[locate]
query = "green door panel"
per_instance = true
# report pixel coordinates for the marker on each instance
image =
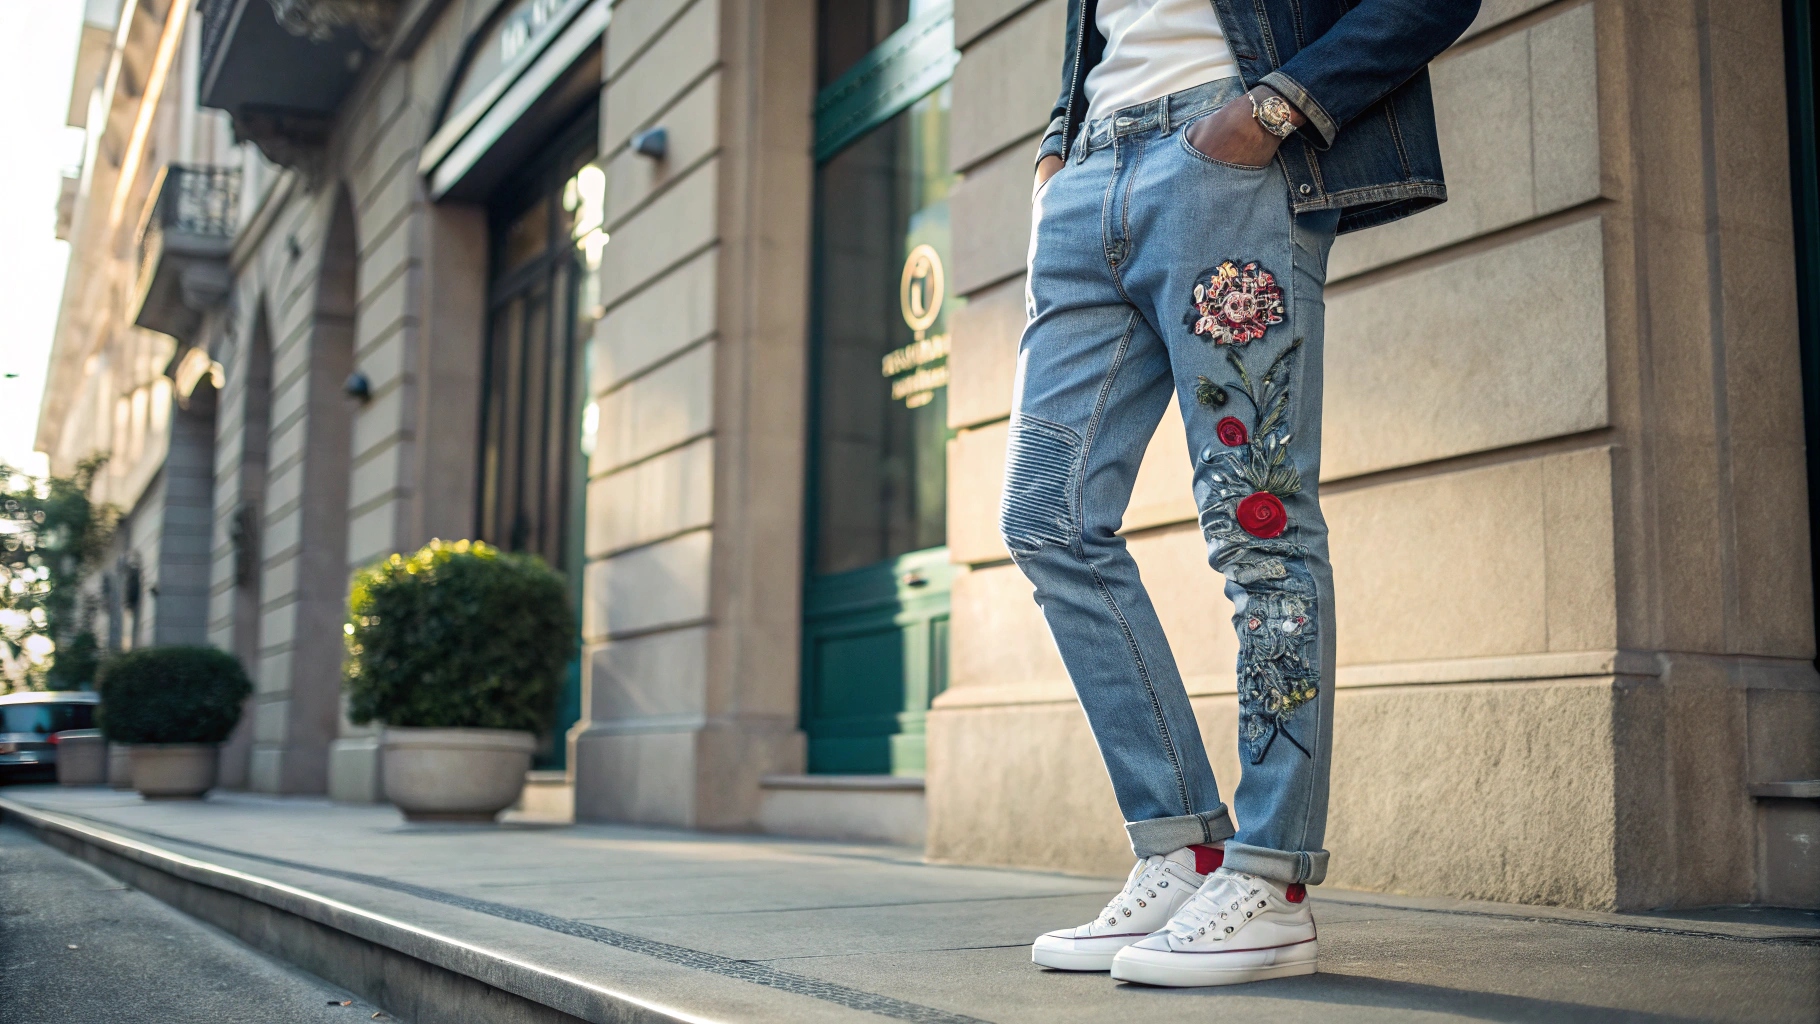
(876, 653)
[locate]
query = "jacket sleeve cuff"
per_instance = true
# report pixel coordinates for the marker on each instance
(1292, 90)
(1055, 142)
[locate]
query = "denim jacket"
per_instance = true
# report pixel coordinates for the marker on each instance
(1357, 69)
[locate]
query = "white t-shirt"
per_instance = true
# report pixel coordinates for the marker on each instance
(1154, 48)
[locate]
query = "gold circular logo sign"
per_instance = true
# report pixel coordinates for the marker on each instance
(920, 292)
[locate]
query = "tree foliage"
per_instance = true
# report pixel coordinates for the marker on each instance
(52, 534)
(458, 635)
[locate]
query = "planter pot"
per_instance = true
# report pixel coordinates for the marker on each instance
(120, 765)
(81, 758)
(174, 771)
(454, 774)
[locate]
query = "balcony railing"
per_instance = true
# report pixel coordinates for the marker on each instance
(198, 200)
(183, 246)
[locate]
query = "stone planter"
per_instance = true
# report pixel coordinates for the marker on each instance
(454, 774)
(120, 765)
(174, 771)
(81, 758)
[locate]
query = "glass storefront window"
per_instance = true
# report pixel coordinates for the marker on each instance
(882, 307)
(543, 300)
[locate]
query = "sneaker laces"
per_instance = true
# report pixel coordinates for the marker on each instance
(1138, 886)
(1223, 903)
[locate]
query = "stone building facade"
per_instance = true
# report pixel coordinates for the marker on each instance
(715, 304)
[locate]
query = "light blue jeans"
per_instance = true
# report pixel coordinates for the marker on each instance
(1156, 270)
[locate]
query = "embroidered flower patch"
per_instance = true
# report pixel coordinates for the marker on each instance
(1246, 518)
(1261, 514)
(1277, 676)
(1234, 305)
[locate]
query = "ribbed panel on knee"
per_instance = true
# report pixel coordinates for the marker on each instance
(1039, 467)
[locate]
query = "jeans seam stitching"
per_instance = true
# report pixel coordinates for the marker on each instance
(1156, 705)
(1137, 161)
(1091, 434)
(1296, 417)
(1112, 185)
(1078, 547)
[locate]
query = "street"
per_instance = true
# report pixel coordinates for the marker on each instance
(77, 946)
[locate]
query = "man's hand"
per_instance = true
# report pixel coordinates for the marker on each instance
(1232, 135)
(1045, 169)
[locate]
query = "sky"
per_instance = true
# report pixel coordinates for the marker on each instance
(37, 59)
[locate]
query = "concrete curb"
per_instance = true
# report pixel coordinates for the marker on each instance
(412, 972)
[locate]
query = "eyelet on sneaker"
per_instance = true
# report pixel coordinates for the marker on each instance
(1126, 912)
(1112, 922)
(1141, 903)
(1229, 929)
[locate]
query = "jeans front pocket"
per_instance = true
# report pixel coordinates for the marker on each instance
(1188, 147)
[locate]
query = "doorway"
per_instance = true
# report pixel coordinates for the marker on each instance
(876, 596)
(540, 314)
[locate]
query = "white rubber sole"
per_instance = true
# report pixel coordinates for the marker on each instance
(1074, 960)
(1202, 970)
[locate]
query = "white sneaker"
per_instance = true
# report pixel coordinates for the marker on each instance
(1236, 928)
(1157, 886)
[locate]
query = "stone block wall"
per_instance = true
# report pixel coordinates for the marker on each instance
(353, 272)
(695, 483)
(1535, 395)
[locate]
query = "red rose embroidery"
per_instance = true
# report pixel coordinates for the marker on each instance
(1232, 433)
(1261, 514)
(1236, 304)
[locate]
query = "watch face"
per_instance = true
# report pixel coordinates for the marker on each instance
(1274, 113)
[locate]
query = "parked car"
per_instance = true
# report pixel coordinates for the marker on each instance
(29, 724)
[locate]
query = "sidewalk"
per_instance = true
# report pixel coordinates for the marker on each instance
(612, 923)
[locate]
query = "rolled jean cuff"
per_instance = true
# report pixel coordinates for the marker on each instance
(1285, 866)
(1167, 835)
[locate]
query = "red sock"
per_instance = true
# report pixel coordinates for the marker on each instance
(1296, 893)
(1207, 859)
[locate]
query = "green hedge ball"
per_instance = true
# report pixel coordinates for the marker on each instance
(458, 635)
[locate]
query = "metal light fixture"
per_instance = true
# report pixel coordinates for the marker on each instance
(652, 142)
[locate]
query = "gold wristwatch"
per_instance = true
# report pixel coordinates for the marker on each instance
(1275, 114)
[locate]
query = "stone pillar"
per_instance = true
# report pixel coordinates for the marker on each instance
(690, 682)
(303, 533)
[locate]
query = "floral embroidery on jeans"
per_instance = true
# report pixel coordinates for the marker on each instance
(1278, 619)
(1234, 305)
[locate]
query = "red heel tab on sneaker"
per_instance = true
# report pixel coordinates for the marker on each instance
(1207, 859)
(1296, 893)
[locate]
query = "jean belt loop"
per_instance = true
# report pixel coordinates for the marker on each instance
(1163, 114)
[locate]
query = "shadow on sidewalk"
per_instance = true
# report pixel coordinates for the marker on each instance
(1411, 997)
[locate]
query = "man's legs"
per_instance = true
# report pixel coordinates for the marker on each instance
(1147, 247)
(1093, 379)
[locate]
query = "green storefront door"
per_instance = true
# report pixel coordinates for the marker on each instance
(875, 605)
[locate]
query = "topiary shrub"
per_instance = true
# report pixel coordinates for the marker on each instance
(458, 635)
(171, 695)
